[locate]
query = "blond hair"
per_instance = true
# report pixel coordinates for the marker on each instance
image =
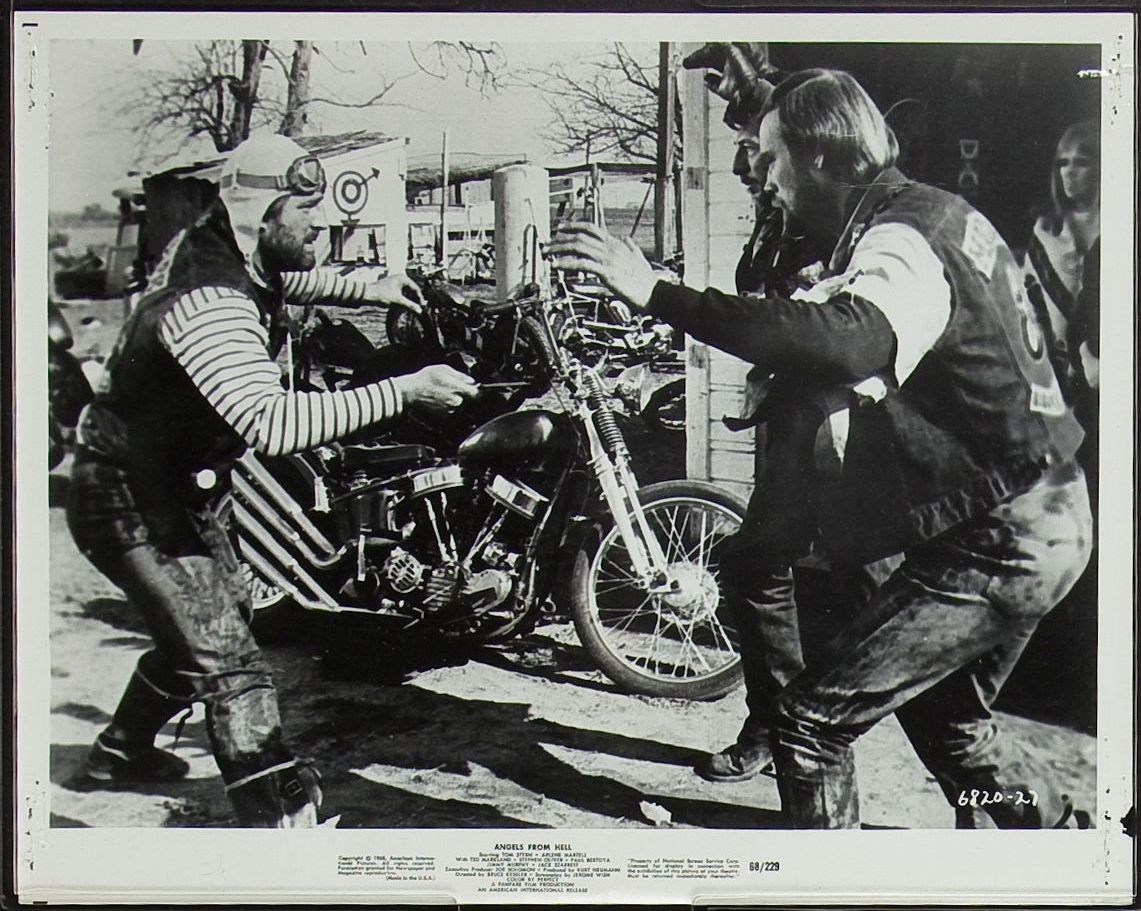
(1085, 136)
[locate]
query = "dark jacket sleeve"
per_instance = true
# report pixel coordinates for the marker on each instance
(1086, 323)
(842, 340)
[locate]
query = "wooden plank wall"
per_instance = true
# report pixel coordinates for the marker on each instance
(716, 223)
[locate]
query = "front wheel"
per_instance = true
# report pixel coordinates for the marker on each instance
(679, 643)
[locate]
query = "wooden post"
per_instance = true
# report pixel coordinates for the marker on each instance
(522, 221)
(597, 214)
(695, 246)
(667, 95)
(444, 202)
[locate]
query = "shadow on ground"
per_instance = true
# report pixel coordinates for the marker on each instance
(421, 731)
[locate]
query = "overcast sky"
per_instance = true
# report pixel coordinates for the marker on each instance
(95, 142)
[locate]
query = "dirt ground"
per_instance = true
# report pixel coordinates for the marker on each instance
(526, 734)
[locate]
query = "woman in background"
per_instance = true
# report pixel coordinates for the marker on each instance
(1056, 258)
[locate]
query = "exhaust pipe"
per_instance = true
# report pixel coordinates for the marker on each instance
(267, 482)
(250, 524)
(250, 496)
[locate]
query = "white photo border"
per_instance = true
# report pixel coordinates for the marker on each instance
(57, 865)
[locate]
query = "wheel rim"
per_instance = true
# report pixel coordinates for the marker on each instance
(683, 636)
(263, 594)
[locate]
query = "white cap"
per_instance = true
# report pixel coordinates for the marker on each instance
(264, 155)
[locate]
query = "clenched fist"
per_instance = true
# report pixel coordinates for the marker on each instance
(437, 386)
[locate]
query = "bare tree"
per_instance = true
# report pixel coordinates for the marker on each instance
(482, 65)
(298, 97)
(214, 93)
(605, 106)
(224, 89)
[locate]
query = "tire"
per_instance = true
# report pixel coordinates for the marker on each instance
(631, 636)
(666, 408)
(526, 353)
(403, 327)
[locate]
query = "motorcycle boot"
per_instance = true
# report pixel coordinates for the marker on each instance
(284, 796)
(739, 761)
(816, 776)
(125, 750)
(771, 656)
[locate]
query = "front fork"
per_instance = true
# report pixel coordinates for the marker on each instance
(620, 490)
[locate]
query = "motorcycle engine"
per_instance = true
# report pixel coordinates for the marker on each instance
(458, 545)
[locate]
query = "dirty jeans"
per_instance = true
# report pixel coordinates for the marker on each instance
(757, 575)
(778, 612)
(934, 645)
(768, 635)
(782, 619)
(185, 581)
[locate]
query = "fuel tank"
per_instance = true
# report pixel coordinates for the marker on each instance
(531, 438)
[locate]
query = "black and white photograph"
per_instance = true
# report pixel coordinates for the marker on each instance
(574, 458)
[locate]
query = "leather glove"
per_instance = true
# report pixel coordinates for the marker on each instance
(740, 73)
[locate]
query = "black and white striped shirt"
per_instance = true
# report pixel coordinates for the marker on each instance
(217, 336)
(321, 285)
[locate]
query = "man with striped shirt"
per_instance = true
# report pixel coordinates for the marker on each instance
(192, 382)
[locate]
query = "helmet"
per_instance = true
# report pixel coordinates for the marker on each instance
(260, 171)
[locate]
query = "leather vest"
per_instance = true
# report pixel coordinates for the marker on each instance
(148, 415)
(981, 417)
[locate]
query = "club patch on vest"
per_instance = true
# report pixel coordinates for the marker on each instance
(980, 243)
(1047, 400)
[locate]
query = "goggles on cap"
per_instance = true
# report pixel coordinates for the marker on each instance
(304, 177)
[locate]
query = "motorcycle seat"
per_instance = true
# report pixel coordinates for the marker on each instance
(371, 455)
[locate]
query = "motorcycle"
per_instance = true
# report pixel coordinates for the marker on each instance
(638, 354)
(68, 387)
(468, 533)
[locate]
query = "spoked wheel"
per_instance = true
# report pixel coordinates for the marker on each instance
(678, 643)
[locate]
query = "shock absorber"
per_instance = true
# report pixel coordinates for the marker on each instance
(611, 464)
(608, 430)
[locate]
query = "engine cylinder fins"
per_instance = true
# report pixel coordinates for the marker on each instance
(516, 496)
(434, 480)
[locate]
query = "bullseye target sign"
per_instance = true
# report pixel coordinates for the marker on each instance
(350, 192)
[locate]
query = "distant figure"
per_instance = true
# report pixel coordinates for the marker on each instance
(1056, 256)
